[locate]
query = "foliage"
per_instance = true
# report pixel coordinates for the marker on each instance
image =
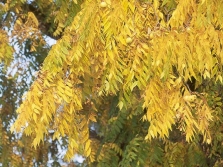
(128, 83)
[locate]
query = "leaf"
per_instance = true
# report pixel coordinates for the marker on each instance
(87, 148)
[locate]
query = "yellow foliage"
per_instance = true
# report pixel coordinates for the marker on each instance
(117, 49)
(6, 50)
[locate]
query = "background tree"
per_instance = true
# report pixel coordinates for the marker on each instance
(128, 83)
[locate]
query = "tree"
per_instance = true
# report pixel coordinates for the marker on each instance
(128, 83)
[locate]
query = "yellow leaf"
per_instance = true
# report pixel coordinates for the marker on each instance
(87, 147)
(68, 91)
(56, 135)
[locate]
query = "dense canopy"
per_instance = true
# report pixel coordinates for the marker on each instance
(128, 82)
